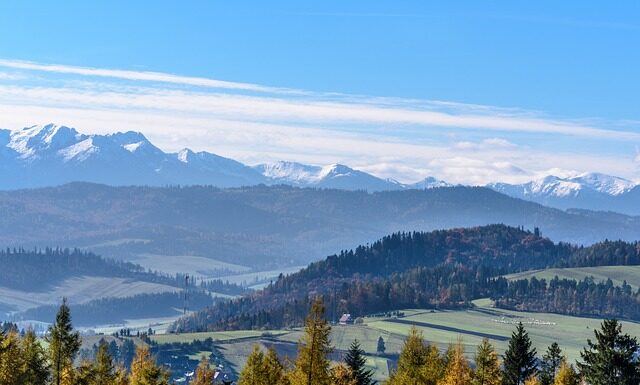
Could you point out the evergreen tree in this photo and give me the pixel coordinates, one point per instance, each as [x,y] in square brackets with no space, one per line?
[127,352]
[104,368]
[64,344]
[612,359]
[487,365]
[204,374]
[566,375]
[312,367]
[355,361]
[144,370]
[550,364]
[457,371]
[10,358]
[253,371]
[519,359]
[381,348]
[273,369]
[35,368]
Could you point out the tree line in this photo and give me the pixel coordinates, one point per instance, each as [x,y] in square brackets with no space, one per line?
[444,269]
[610,359]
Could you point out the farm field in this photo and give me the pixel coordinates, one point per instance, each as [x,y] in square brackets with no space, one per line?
[199,267]
[618,274]
[80,290]
[438,327]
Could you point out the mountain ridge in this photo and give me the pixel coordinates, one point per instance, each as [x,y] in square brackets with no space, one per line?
[51,155]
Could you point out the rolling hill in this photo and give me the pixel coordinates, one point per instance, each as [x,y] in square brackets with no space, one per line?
[266,227]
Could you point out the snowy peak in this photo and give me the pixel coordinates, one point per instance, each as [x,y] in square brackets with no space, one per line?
[430,182]
[37,140]
[290,172]
[607,184]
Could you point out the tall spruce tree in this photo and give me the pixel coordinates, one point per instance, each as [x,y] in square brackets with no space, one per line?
[381,348]
[105,372]
[64,344]
[312,366]
[487,365]
[612,359]
[356,360]
[519,359]
[550,364]
[35,368]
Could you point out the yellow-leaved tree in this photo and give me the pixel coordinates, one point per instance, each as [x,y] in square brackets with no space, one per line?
[458,371]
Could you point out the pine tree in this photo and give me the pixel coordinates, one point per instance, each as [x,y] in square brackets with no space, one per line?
[35,368]
[104,367]
[312,367]
[273,369]
[566,375]
[550,364]
[381,348]
[253,371]
[355,361]
[144,370]
[487,365]
[611,359]
[519,359]
[204,374]
[64,344]
[10,358]
[457,371]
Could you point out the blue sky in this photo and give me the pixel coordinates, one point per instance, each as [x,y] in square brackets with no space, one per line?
[466,91]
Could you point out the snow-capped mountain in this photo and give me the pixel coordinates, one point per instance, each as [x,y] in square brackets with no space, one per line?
[46,155]
[429,182]
[593,191]
[336,176]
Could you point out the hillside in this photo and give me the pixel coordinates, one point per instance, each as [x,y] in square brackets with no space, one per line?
[268,227]
[101,291]
[437,270]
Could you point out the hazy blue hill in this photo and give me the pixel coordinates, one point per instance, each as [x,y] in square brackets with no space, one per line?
[266,226]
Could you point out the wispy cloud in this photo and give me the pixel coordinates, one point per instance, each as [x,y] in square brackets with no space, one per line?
[403,138]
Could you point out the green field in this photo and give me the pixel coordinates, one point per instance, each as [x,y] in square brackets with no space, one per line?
[216,336]
[438,327]
[618,274]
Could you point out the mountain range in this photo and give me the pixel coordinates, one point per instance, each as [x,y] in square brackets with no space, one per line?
[51,155]
[264,227]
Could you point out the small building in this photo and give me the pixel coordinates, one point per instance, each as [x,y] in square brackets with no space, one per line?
[346,320]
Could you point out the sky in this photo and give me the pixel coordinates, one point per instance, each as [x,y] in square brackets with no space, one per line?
[466,91]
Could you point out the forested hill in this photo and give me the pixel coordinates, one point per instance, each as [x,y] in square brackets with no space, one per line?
[499,246]
[444,269]
[41,269]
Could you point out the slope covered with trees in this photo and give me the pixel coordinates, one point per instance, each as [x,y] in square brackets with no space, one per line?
[440,269]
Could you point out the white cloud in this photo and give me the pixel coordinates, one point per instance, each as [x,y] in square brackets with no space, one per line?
[390,137]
